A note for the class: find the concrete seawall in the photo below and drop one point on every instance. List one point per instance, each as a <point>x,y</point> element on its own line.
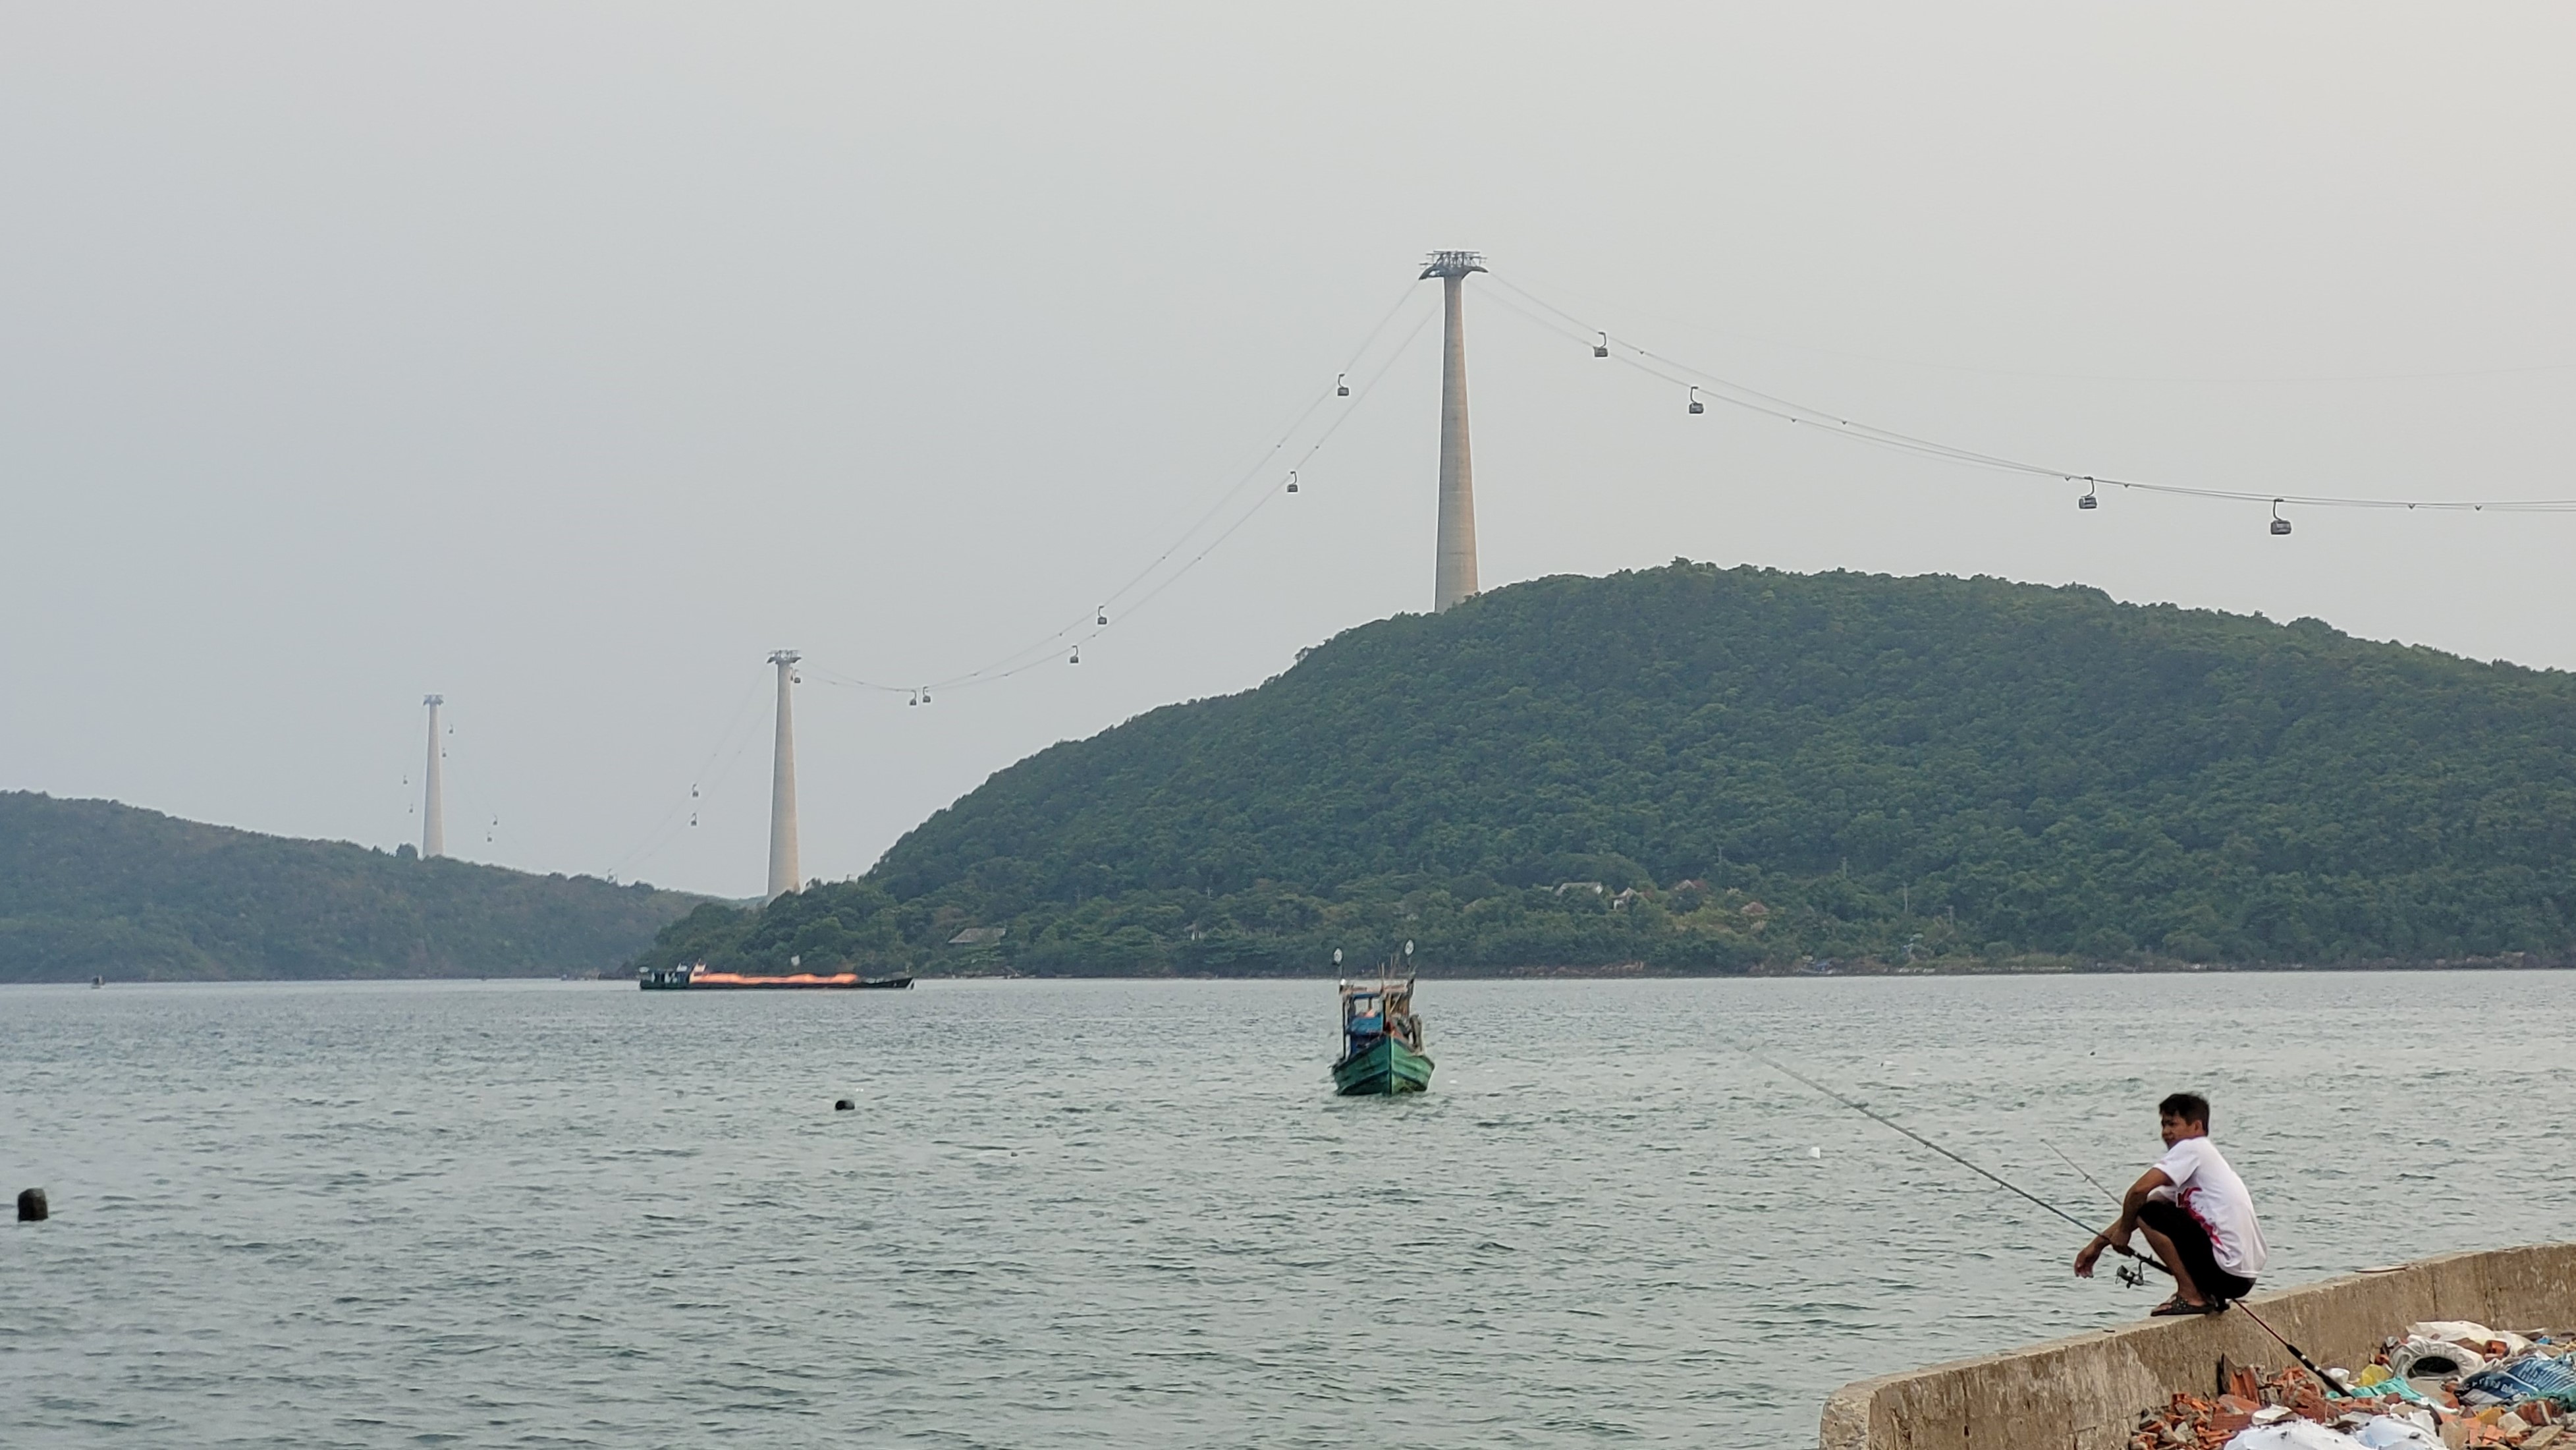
<point>2085,1393</point>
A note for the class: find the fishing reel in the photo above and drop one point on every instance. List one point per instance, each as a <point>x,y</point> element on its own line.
<point>2132,1273</point>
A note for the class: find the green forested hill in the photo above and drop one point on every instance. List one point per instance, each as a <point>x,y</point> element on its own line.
<point>1778,767</point>
<point>93,888</point>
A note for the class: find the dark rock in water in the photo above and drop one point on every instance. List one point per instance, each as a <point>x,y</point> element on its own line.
<point>31,1206</point>
<point>843,1105</point>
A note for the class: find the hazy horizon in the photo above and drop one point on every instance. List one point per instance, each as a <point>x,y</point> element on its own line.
<point>567,362</point>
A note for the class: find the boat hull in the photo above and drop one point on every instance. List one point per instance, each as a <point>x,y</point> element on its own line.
<point>1384,1067</point>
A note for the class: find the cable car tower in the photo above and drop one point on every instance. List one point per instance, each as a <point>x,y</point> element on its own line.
<point>782,782</point>
<point>1454,559</point>
<point>433,802</point>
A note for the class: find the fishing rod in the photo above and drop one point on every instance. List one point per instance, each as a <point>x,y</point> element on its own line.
<point>2332,1388</point>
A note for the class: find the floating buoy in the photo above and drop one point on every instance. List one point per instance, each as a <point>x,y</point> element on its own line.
<point>31,1206</point>
<point>842,1105</point>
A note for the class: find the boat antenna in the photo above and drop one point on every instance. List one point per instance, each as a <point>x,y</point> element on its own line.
<point>2124,1251</point>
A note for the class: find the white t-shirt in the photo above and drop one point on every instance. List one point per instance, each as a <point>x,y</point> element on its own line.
<point>2215,1197</point>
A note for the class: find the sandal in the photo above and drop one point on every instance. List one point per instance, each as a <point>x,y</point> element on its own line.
<point>2177,1307</point>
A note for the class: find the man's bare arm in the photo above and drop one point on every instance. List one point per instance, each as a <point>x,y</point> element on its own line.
<point>2117,1235</point>
<point>2136,1198</point>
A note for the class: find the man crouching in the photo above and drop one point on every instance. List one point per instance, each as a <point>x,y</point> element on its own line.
<point>2196,1215</point>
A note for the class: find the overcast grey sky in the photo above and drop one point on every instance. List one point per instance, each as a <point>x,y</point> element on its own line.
<point>566,359</point>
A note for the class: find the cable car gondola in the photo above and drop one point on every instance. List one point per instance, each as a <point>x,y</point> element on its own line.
<point>2280,525</point>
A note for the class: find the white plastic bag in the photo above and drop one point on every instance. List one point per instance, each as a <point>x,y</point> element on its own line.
<point>2387,1432</point>
<point>2294,1435</point>
<point>2467,1332</point>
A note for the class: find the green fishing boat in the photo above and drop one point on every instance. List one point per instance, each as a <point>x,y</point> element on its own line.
<point>1381,1038</point>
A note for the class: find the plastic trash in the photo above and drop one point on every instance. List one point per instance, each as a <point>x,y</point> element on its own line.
<point>2387,1432</point>
<point>2458,1331</point>
<point>2531,1377</point>
<point>2378,1379</point>
<point>2294,1435</point>
<point>2468,1332</point>
<point>2403,1389</point>
<point>2424,1357</point>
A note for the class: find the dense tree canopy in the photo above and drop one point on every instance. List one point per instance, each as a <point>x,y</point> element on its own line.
<point>1756,767</point>
<point>93,888</point>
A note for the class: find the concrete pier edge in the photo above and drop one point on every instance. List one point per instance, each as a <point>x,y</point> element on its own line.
<point>2084,1392</point>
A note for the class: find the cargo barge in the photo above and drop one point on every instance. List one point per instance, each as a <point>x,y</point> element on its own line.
<point>698,979</point>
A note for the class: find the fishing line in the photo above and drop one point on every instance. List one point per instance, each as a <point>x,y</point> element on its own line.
<point>2332,1387</point>
<point>1885,1121</point>
<point>2079,1171</point>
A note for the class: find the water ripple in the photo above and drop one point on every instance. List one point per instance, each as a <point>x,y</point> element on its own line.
<point>512,1214</point>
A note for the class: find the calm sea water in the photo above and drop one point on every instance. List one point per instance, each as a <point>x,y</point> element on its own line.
<point>1121,1213</point>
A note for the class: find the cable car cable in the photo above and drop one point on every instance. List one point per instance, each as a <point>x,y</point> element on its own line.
<point>656,837</point>
<point>2172,378</point>
<point>1673,370</point>
<point>1084,627</point>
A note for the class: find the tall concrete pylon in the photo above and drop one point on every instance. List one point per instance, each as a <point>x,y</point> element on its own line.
<point>433,805</point>
<point>1454,563</point>
<point>782,782</point>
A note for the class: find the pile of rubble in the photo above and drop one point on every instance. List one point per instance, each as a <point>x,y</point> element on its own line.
<point>2443,1385</point>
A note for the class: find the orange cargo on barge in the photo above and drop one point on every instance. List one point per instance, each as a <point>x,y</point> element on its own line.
<point>698,979</point>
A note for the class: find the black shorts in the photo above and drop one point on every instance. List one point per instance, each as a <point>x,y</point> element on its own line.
<point>2191,1244</point>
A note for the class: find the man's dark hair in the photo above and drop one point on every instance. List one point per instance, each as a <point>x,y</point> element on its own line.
<point>2190,1107</point>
